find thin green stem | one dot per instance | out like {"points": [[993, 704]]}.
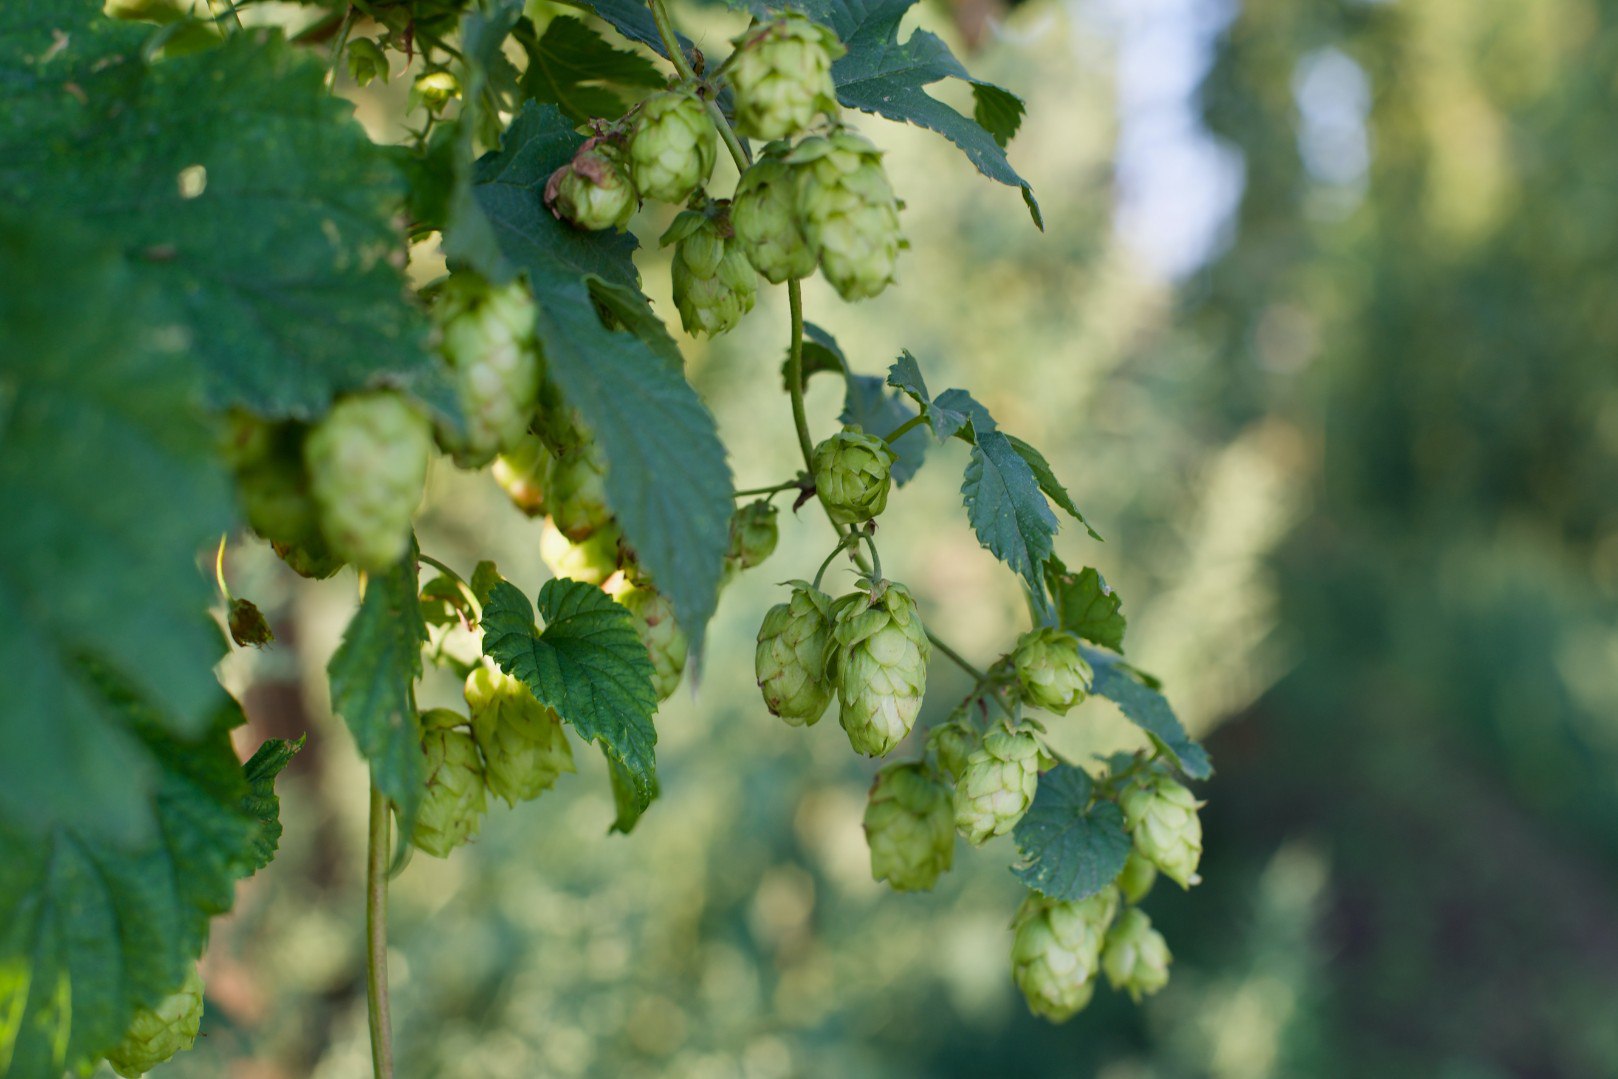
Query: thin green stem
{"points": [[903, 429], [876, 559], [337, 47], [842, 545], [800, 418], [230, 6], [376, 938], [677, 57], [753, 492], [955, 657]]}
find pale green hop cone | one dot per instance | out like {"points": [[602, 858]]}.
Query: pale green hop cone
{"points": [[849, 213], [910, 827], [654, 621], [1135, 880], [954, 743], [577, 498], [273, 485], [453, 802], [673, 146], [781, 76], [487, 341], [1054, 675], [1162, 818], [1135, 956], [879, 662], [525, 750], [997, 785], [523, 473], [593, 191], [853, 473], [367, 463], [1056, 951], [764, 218], [791, 658], [754, 532], [714, 284], [157, 1034], [591, 560]]}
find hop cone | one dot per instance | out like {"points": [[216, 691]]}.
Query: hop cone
{"points": [[578, 492], [558, 424], [593, 191], [313, 560], [852, 475], [452, 804], [781, 75], [714, 284], [591, 560], [156, 1034], [1162, 819], [672, 149], [954, 743], [1056, 951], [997, 785], [523, 474], [654, 621], [488, 343], [910, 827], [275, 493], [753, 534], [524, 746], [434, 90], [849, 213], [1054, 675], [1135, 956], [764, 218], [1135, 880], [367, 462], [880, 653], [790, 661]]}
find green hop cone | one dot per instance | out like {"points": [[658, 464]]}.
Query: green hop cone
{"points": [[591, 560], [366, 61], [452, 803], [523, 473], [273, 486], [781, 76], [488, 343], [578, 492], [367, 463], [849, 213], [1162, 818], [753, 534], [1053, 673], [1135, 956], [673, 146], [910, 827], [879, 659], [434, 90], [954, 743], [654, 621], [714, 284], [156, 1034], [313, 560], [525, 750], [790, 661], [1135, 880], [853, 474], [593, 191], [1056, 951], [997, 785], [764, 218]]}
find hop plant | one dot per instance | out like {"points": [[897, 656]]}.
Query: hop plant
{"points": [[754, 533], [1053, 673], [849, 213], [488, 343], [157, 1034], [577, 497], [453, 803], [764, 218], [1135, 880], [853, 474], [1162, 818], [593, 191], [879, 660], [523, 473], [997, 785], [654, 621], [272, 482], [672, 148], [1056, 951], [591, 560], [367, 462], [1135, 956], [525, 750], [954, 743], [366, 61], [791, 659], [434, 90], [714, 284], [910, 827], [781, 75]]}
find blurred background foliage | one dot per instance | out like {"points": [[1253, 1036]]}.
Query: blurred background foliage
{"points": [[1322, 336]]}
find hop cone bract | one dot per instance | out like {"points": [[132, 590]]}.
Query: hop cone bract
{"points": [[1135, 956], [594, 190], [1053, 673], [523, 473], [156, 1034], [714, 284], [591, 560], [367, 462], [525, 750], [488, 343], [791, 659], [954, 743], [849, 213], [1056, 951], [672, 150], [910, 827], [764, 218], [853, 475], [1135, 880], [781, 75], [879, 651], [1162, 819], [997, 785], [577, 497], [453, 803], [654, 621]]}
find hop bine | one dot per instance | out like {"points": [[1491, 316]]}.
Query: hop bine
{"points": [[673, 146], [1056, 951], [1053, 673], [367, 463], [910, 827], [791, 659], [1162, 818], [997, 785], [525, 749], [781, 76], [453, 804], [879, 662]]}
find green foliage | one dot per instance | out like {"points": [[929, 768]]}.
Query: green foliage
{"points": [[261, 802], [1086, 606], [1072, 847], [572, 66], [1007, 510], [1146, 707]]}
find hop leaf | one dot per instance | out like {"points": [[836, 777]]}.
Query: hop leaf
{"points": [[1054, 675], [593, 191], [879, 659], [672, 149], [1162, 818], [524, 747], [1135, 956], [764, 217], [654, 621], [997, 785], [852, 475], [452, 804], [791, 659], [1056, 951], [910, 826], [367, 463], [592, 560], [849, 213], [157, 1034], [488, 343], [781, 76]]}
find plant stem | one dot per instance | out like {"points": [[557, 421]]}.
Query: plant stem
{"points": [[800, 419], [955, 657], [337, 47], [677, 57], [776, 489], [376, 938], [903, 429]]}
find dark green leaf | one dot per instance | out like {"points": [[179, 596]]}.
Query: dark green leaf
{"points": [[589, 665], [468, 236], [964, 403], [631, 19], [262, 804], [574, 67], [373, 675], [997, 111], [1049, 483], [905, 374], [1085, 605], [1004, 504], [1071, 849], [1147, 708], [625, 797], [870, 406]]}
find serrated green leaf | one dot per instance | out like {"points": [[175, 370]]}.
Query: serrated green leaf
{"points": [[91, 929], [998, 111], [667, 478], [1070, 848], [373, 675], [625, 798], [1143, 705], [235, 184], [1085, 605], [631, 19], [109, 488], [467, 234], [574, 67], [1050, 484], [1007, 510], [261, 803], [868, 404], [964, 403], [905, 375], [588, 664]]}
